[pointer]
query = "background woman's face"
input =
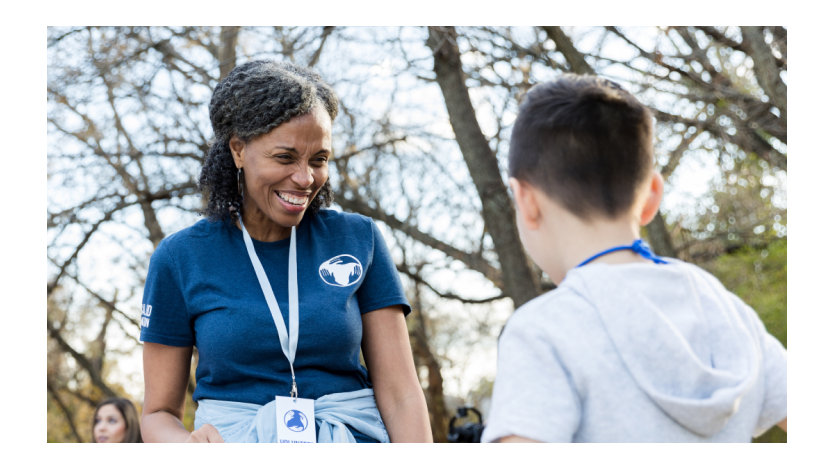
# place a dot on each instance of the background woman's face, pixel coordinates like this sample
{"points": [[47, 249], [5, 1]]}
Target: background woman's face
{"points": [[285, 168], [109, 425]]}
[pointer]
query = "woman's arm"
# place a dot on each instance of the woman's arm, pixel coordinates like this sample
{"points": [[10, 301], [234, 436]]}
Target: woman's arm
{"points": [[400, 398], [166, 376]]}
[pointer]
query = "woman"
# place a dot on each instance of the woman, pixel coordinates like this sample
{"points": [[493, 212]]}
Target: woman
{"points": [[277, 294], [116, 420]]}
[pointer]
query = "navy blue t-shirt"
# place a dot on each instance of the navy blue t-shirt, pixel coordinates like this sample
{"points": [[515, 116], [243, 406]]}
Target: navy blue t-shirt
{"points": [[202, 291]]}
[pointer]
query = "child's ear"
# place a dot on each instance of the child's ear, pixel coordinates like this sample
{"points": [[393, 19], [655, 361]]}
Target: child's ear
{"points": [[652, 203], [526, 203], [236, 146]]}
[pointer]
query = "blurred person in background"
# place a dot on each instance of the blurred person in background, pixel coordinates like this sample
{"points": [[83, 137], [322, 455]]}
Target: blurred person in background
{"points": [[116, 420]]}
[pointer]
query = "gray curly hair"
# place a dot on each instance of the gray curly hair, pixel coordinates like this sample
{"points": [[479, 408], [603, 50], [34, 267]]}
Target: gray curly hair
{"points": [[252, 100]]}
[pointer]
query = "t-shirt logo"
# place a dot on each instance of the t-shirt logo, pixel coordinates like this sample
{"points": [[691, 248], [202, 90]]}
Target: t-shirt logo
{"points": [[146, 315], [341, 271], [295, 421]]}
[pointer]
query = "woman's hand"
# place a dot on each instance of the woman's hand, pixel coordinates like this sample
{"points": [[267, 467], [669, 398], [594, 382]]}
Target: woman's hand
{"points": [[206, 433]]}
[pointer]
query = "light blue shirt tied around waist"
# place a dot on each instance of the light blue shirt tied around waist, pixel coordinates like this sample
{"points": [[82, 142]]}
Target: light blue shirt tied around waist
{"points": [[249, 422]]}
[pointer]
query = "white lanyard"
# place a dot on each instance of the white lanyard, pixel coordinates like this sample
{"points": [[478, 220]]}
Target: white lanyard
{"points": [[289, 343]]}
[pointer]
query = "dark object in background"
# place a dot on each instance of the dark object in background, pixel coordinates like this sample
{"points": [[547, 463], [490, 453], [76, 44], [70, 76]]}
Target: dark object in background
{"points": [[466, 432]]}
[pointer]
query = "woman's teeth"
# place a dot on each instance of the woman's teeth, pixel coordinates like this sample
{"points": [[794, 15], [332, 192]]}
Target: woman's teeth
{"points": [[295, 200]]}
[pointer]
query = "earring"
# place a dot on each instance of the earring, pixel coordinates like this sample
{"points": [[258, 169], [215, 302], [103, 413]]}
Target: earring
{"points": [[239, 185]]}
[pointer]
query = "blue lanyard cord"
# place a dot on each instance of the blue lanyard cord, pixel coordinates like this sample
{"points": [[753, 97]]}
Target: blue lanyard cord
{"points": [[639, 246], [289, 341]]}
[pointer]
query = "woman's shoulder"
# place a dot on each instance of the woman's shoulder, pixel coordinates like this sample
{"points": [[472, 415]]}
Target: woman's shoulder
{"points": [[335, 220], [202, 229]]}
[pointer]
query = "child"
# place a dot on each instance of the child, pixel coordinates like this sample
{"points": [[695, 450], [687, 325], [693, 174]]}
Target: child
{"points": [[631, 347]]}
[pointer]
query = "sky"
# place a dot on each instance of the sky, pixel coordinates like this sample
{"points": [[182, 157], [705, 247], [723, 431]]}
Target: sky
{"points": [[24, 266]]}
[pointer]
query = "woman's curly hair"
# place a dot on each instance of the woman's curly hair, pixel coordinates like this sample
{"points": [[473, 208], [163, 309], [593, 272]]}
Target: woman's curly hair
{"points": [[252, 100]]}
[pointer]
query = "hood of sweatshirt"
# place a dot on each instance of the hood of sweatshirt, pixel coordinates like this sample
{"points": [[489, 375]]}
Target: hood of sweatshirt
{"points": [[686, 340]]}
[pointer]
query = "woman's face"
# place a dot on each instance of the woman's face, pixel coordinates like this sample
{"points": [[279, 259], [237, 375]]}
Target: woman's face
{"points": [[109, 425], [284, 170]]}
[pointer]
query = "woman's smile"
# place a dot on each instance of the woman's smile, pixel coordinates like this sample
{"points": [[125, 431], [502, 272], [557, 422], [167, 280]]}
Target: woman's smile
{"points": [[294, 203], [293, 199]]}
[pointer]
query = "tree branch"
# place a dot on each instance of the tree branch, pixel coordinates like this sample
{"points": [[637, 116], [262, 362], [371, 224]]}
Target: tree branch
{"points": [[575, 59], [81, 359], [325, 32], [50, 388], [415, 276], [766, 69], [472, 261]]}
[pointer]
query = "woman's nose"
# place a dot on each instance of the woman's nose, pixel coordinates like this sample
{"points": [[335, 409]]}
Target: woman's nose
{"points": [[303, 175]]}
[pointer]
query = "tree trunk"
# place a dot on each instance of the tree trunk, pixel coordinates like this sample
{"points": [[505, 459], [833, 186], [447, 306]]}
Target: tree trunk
{"points": [[155, 233], [435, 397], [517, 275], [227, 53], [659, 238]]}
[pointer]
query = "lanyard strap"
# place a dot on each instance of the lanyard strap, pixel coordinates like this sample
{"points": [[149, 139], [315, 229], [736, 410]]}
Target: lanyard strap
{"points": [[639, 246], [289, 341]]}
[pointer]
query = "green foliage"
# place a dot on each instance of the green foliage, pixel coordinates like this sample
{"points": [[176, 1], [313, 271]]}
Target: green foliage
{"points": [[760, 278], [775, 434]]}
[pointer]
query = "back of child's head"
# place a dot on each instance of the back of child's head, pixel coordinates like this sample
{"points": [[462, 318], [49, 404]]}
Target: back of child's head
{"points": [[585, 142]]}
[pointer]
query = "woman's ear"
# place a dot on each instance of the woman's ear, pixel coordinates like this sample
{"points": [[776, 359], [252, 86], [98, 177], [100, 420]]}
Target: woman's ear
{"points": [[526, 203], [236, 145], [652, 201]]}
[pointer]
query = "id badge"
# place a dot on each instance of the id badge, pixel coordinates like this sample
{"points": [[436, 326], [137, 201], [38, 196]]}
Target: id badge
{"points": [[295, 420]]}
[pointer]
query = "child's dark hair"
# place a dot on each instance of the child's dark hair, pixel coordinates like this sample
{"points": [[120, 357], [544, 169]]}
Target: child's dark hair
{"points": [[584, 141]]}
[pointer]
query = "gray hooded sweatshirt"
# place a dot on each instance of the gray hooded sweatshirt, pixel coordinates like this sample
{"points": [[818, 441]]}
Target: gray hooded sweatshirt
{"points": [[637, 353]]}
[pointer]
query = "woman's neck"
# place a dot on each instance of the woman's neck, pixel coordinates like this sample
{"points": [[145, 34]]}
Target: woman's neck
{"points": [[262, 228]]}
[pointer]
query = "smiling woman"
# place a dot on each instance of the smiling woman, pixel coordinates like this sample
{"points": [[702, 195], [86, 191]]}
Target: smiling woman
{"points": [[219, 286]]}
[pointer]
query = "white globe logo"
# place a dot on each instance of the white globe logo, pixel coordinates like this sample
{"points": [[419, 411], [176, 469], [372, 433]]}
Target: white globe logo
{"points": [[341, 271]]}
